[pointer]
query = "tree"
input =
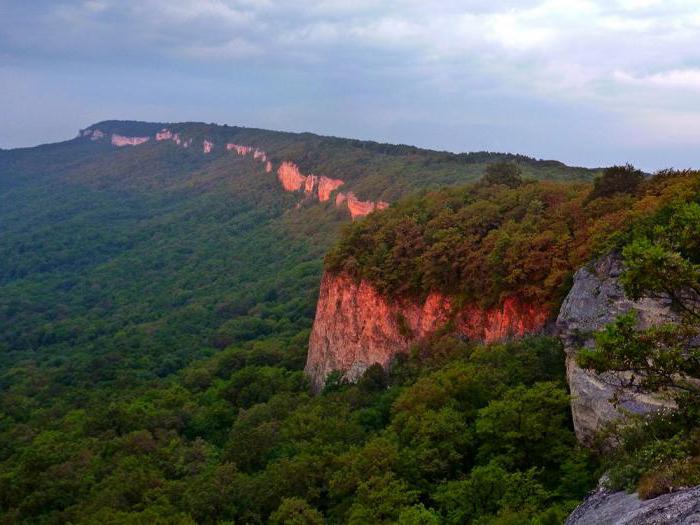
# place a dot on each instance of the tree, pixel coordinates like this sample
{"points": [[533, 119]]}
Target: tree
{"points": [[650, 361], [526, 427], [505, 173], [616, 179], [296, 511], [660, 261]]}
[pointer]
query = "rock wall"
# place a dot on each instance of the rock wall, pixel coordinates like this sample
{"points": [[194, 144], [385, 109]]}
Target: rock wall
{"points": [[596, 299], [355, 326], [120, 140], [619, 508], [289, 175]]}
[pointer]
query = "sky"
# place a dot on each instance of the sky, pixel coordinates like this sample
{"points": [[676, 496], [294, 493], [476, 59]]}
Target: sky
{"points": [[588, 82]]}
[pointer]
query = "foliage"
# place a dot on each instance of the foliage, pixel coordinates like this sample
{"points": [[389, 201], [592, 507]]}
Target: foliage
{"points": [[155, 304], [356, 454], [616, 179], [503, 173], [658, 452], [485, 242]]}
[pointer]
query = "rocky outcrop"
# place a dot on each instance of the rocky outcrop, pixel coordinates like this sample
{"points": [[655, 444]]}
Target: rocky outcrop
{"points": [[619, 508], [357, 207], [120, 140], [355, 326], [290, 176], [92, 134], [326, 186], [596, 299]]}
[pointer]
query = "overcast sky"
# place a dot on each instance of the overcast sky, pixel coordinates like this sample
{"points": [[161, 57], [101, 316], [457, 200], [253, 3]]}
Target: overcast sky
{"points": [[587, 82]]}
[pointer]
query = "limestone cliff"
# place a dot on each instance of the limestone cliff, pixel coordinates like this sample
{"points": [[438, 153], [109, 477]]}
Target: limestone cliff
{"points": [[356, 326], [596, 299], [288, 173], [120, 140]]}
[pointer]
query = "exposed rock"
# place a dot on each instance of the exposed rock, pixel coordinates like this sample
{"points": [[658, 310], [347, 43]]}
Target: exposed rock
{"points": [[240, 150], [619, 508], [357, 207], [94, 134], [311, 184], [596, 299], [326, 186], [164, 134], [290, 177], [120, 140], [356, 326], [259, 155]]}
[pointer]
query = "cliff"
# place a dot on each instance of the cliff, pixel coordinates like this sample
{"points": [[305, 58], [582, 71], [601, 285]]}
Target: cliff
{"points": [[596, 299], [289, 175], [355, 326]]}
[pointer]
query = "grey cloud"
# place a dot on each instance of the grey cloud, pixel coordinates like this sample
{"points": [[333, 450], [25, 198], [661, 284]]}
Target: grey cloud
{"points": [[632, 63]]}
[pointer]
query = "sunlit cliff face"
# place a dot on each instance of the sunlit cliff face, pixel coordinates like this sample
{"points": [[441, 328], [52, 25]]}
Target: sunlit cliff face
{"points": [[356, 327], [120, 141], [288, 173]]}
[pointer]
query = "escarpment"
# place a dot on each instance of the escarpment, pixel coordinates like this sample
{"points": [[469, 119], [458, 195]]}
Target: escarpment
{"points": [[356, 326], [289, 175], [596, 299]]}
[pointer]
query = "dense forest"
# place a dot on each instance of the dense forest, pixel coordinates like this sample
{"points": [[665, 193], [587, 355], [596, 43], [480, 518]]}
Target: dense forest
{"points": [[155, 306], [503, 236]]}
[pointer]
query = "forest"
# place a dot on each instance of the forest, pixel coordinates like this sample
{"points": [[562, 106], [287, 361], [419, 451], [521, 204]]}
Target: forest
{"points": [[156, 307]]}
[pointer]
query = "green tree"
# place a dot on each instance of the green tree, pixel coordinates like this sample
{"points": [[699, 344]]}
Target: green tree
{"points": [[296, 511], [505, 173], [660, 261], [616, 179], [526, 427]]}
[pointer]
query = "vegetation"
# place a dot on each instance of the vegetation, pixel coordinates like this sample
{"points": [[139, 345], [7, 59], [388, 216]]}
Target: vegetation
{"points": [[155, 305], [503, 173], [459, 433], [486, 241], [660, 452], [617, 179]]}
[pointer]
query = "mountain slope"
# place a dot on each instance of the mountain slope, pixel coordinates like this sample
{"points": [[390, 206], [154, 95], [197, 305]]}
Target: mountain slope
{"points": [[153, 291]]}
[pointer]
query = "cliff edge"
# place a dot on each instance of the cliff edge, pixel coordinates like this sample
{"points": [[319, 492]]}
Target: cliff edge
{"points": [[596, 299], [603, 507], [356, 326]]}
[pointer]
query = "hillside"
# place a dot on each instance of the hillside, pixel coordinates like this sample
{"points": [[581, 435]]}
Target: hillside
{"points": [[156, 294]]}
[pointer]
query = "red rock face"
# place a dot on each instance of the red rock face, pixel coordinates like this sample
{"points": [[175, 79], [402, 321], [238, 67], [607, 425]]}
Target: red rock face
{"points": [[291, 178], [357, 207], [310, 184], [241, 150], [326, 186], [164, 134], [288, 173], [120, 140], [355, 326]]}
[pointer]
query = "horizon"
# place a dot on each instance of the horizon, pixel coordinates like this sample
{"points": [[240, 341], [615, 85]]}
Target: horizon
{"points": [[588, 83], [171, 123]]}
